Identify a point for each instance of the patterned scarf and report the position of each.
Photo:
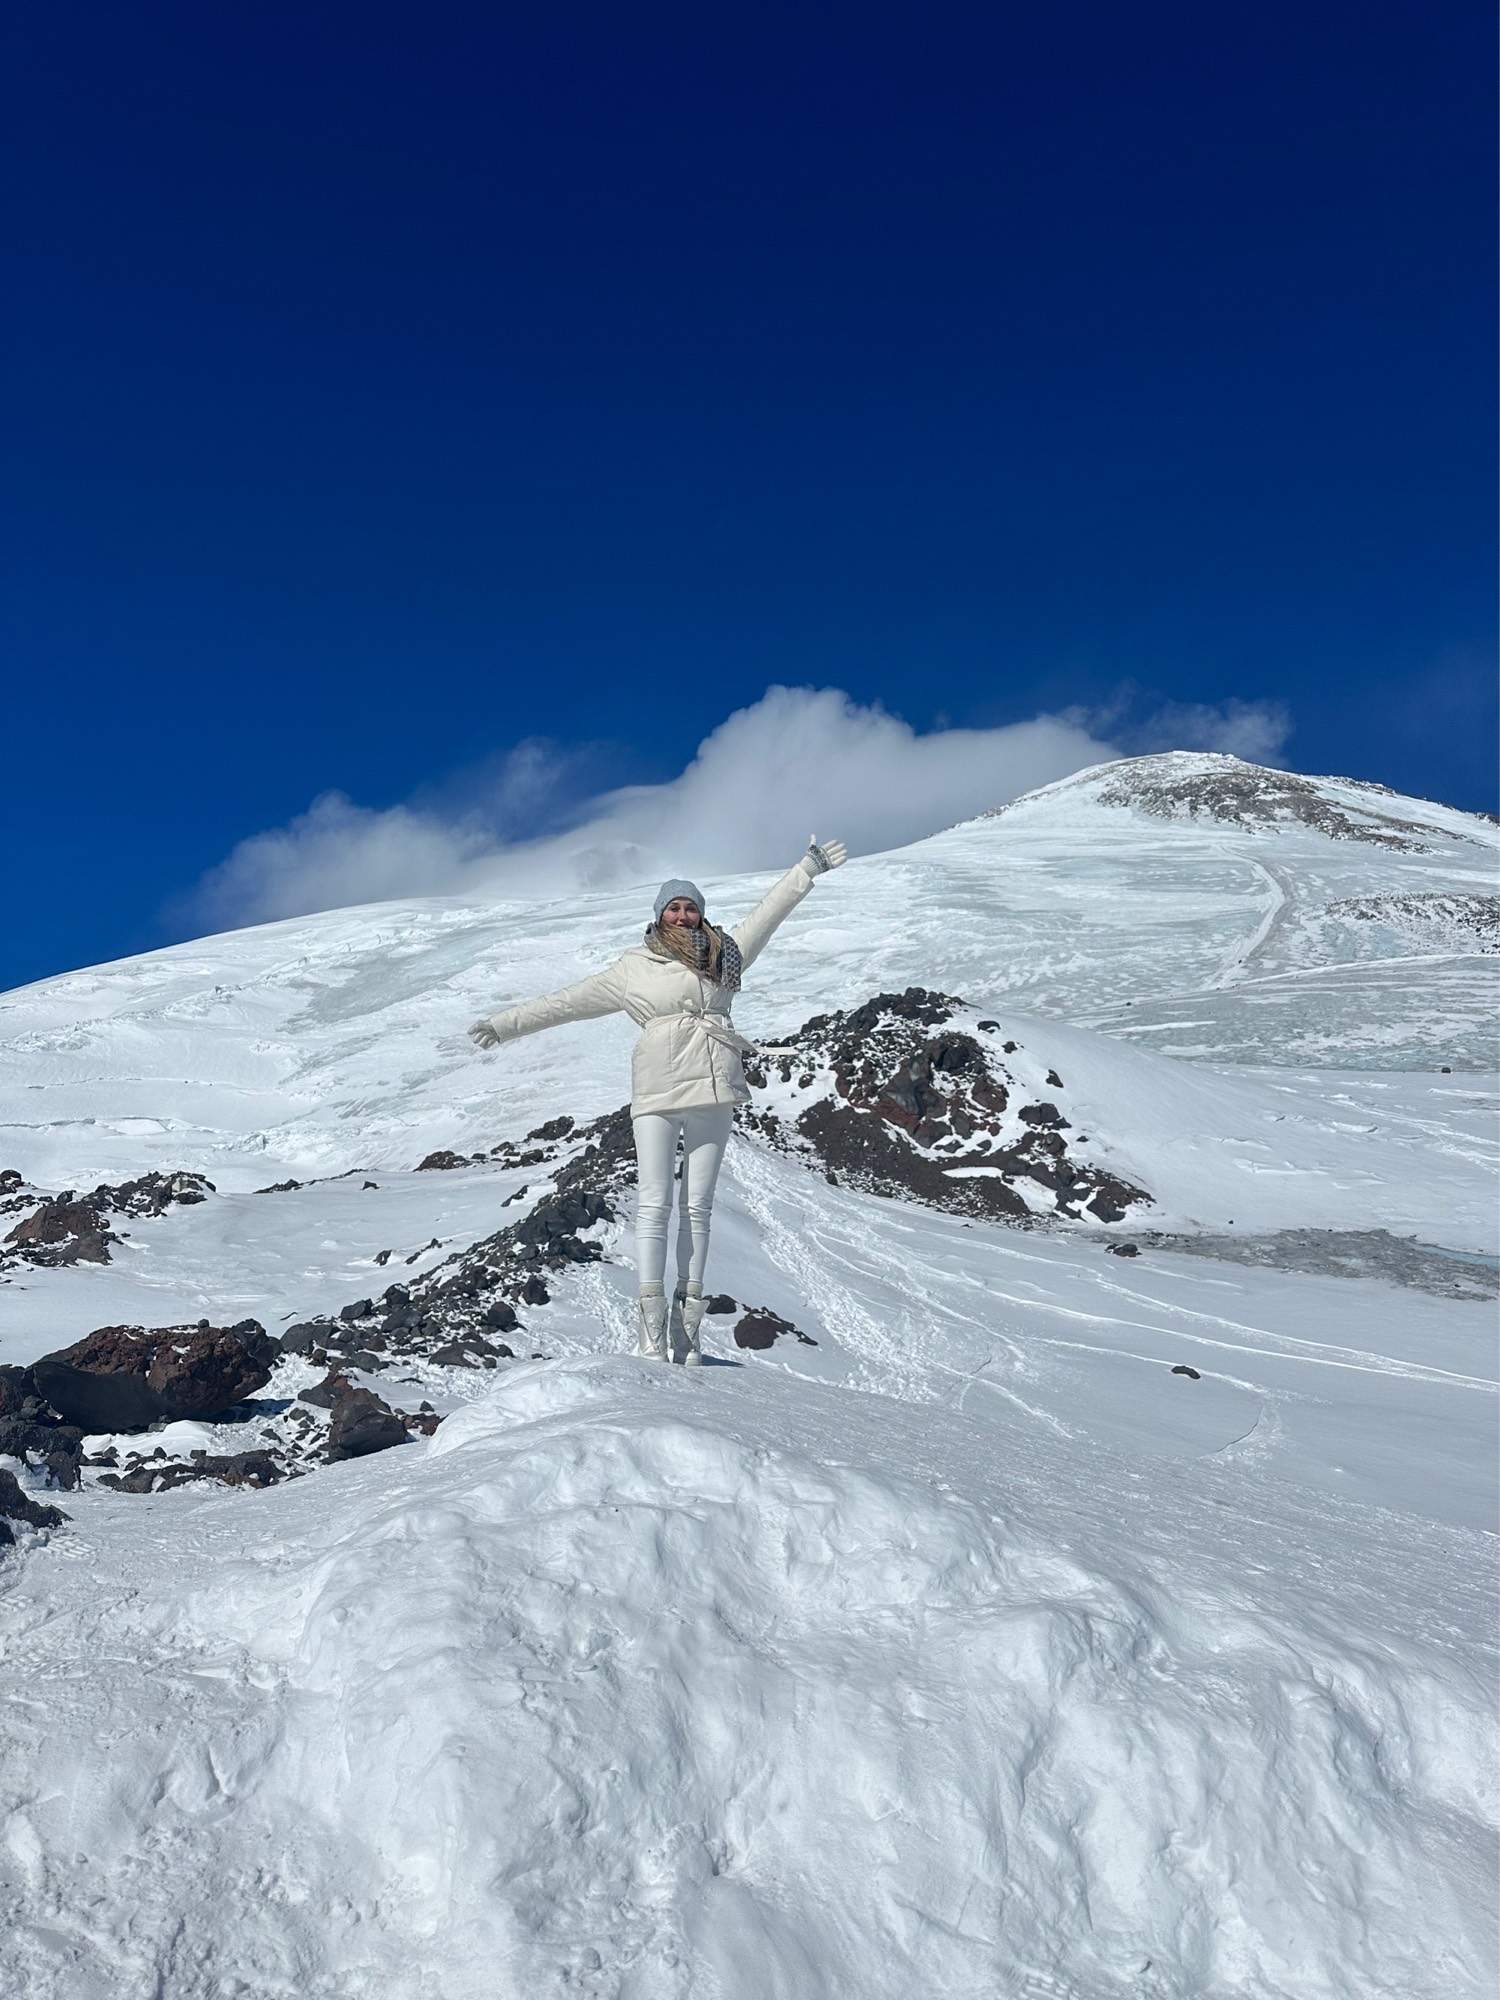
(713, 954)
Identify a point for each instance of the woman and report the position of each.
(686, 1075)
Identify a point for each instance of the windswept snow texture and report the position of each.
(1066, 1624)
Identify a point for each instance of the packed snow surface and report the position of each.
(969, 1651)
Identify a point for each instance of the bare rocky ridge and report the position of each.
(912, 1096)
(1207, 785)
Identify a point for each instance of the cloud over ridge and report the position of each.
(796, 761)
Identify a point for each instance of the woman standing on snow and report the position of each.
(686, 1074)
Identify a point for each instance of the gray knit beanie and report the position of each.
(668, 890)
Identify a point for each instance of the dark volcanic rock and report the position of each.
(446, 1314)
(442, 1162)
(555, 1128)
(762, 1328)
(62, 1232)
(245, 1468)
(305, 1336)
(15, 1503)
(60, 1446)
(16, 1390)
(898, 1097)
(363, 1423)
(126, 1377)
(153, 1194)
(720, 1302)
(67, 1230)
(327, 1392)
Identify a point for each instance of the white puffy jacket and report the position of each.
(689, 1052)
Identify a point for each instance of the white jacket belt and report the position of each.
(689, 1051)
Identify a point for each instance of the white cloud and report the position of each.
(1254, 730)
(798, 761)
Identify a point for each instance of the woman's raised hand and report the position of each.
(821, 856)
(483, 1032)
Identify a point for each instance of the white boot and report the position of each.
(651, 1314)
(692, 1320)
(675, 1334)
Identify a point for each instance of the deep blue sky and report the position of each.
(386, 385)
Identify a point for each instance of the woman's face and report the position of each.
(683, 912)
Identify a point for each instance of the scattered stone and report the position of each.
(246, 1468)
(122, 1378)
(534, 1292)
(280, 1187)
(720, 1302)
(371, 1184)
(442, 1162)
(761, 1328)
(1122, 1250)
(500, 1316)
(1191, 1373)
(361, 1309)
(382, 1257)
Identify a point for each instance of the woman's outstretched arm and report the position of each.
(754, 933)
(603, 993)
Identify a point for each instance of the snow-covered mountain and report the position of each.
(1072, 1576)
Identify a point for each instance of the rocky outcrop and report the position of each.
(1204, 785)
(123, 1378)
(72, 1229)
(65, 1231)
(911, 1095)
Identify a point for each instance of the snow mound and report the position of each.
(625, 1687)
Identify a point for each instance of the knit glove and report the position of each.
(819, 859)
(483, 1032)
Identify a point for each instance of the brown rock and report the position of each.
(56, 1222)
(363, 1423)
(125, 1377)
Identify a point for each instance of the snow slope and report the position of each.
(967, 1651)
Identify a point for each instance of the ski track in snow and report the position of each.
(970, 1652)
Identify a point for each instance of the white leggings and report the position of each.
(705, 1133)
